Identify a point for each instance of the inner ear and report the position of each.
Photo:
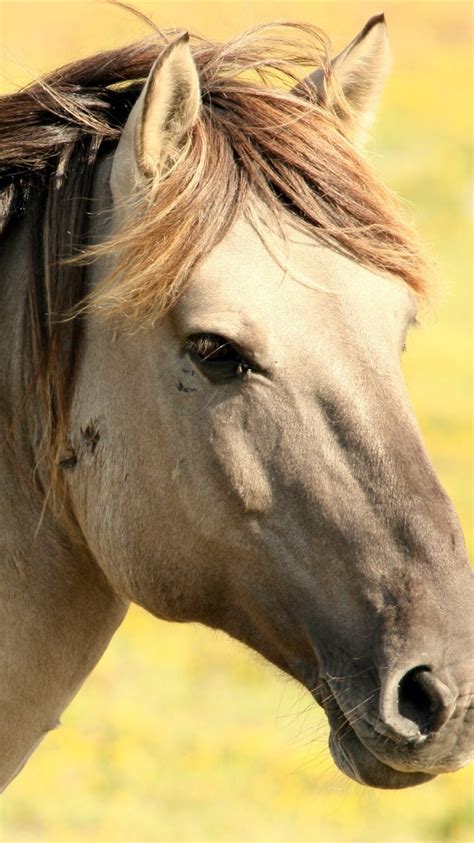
(160, 122)
(171, 107)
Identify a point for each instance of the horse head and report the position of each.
(260, 469)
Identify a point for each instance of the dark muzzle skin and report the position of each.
(396, 680)
(403, 734)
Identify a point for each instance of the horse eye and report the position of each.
(215, 355)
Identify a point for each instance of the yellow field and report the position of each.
(181, 734)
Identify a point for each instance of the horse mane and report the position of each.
(254, 135)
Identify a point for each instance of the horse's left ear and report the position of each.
(359, 71)
(160, 121)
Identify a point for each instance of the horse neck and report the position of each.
(57, 611)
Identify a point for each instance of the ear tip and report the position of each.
(375, 20)
(180, 42)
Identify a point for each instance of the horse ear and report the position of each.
(160, 121)
(359, 71)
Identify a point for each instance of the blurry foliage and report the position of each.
(181, 734)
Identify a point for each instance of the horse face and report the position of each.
(257, 467)
(253, 463)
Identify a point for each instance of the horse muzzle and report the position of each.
(416, 725)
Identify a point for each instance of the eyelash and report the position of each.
(216, 357)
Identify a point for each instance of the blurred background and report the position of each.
(181, 734)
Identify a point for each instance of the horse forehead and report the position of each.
(267, 253)
(293, 269)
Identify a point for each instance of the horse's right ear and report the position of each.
(160, 122)
(359, 72)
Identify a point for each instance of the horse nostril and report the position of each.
(424, 699)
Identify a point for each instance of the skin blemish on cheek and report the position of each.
(182, 388)
(90, 435)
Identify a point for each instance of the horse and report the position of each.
(205, 292)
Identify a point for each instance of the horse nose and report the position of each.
(416, 703)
